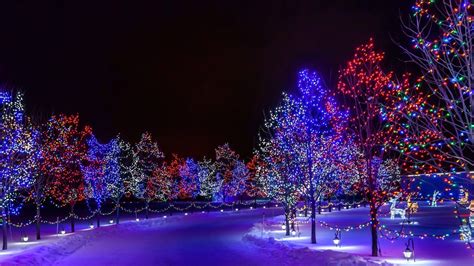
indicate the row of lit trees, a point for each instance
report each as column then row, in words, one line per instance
column 313, row 147
column 64, row 162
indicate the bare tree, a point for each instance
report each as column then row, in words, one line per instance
column 441, row 34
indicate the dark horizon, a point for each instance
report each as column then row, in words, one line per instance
column 196, row 75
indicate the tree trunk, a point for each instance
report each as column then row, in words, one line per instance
column 313, row 221
column 329, row 205
column 293, row 218
column 374, row 229
column 146, row 210
column 306, row 208
column 72, row 219
column 287, row 221
column 4, row 226
column 38, row 222
column 98, row 218
column 117, row 218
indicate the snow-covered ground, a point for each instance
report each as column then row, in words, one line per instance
column 428, row 251
column 214, row 238
column 234, row 238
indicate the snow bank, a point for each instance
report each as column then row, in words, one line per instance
column 293, row 255
column 51, row 251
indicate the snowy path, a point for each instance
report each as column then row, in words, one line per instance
column 197, row 239
column 214, row 238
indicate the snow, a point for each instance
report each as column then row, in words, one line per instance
column 235, row 238
column 428, row 251
column 195, row 239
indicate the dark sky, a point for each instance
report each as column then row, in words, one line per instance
column 194, row 73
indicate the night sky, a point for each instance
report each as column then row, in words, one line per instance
column 195, row 74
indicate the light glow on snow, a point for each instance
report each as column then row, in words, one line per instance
column 293, row 238
column 411, row 262
column 340, row 248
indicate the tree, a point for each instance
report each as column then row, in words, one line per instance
column 93, row 167
column 189, row 185
column 178, row 189
column 253, row 185
column 149, row 157
column 226, row 159
column 278, row 174
column 372, row 98
column 442, row 44
column 101, row 173
column 302, row 126
column 128, row 162
column 112, row 174
column 41, row 179
column 17, row 156
column 239, row 177
column 64, row 150
column 162, row 183
column 207, row 176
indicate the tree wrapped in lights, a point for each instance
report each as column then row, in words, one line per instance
column 149, row 157
column 189, row 184
column 17, row 156
column 226, row 159
column 93, row 171
column 207, row 178
column 239, row 177
column 303, row 128
column 162, row 183
column 41, row 180
column 253, row 184
column 178, row 189
column 376, row 105
column 112, row 174
column 442, row 47
column 64, row 150
column 128, row 162
column 277, row 171
column 101, row 173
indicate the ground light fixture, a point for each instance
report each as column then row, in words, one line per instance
column 137, row 219
column 111, row 221
column 91, row 226
column 62, row 232
column 24, row 238
column 337, row 238
column 293, row 232
column 283, row 226
column 409, row 253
